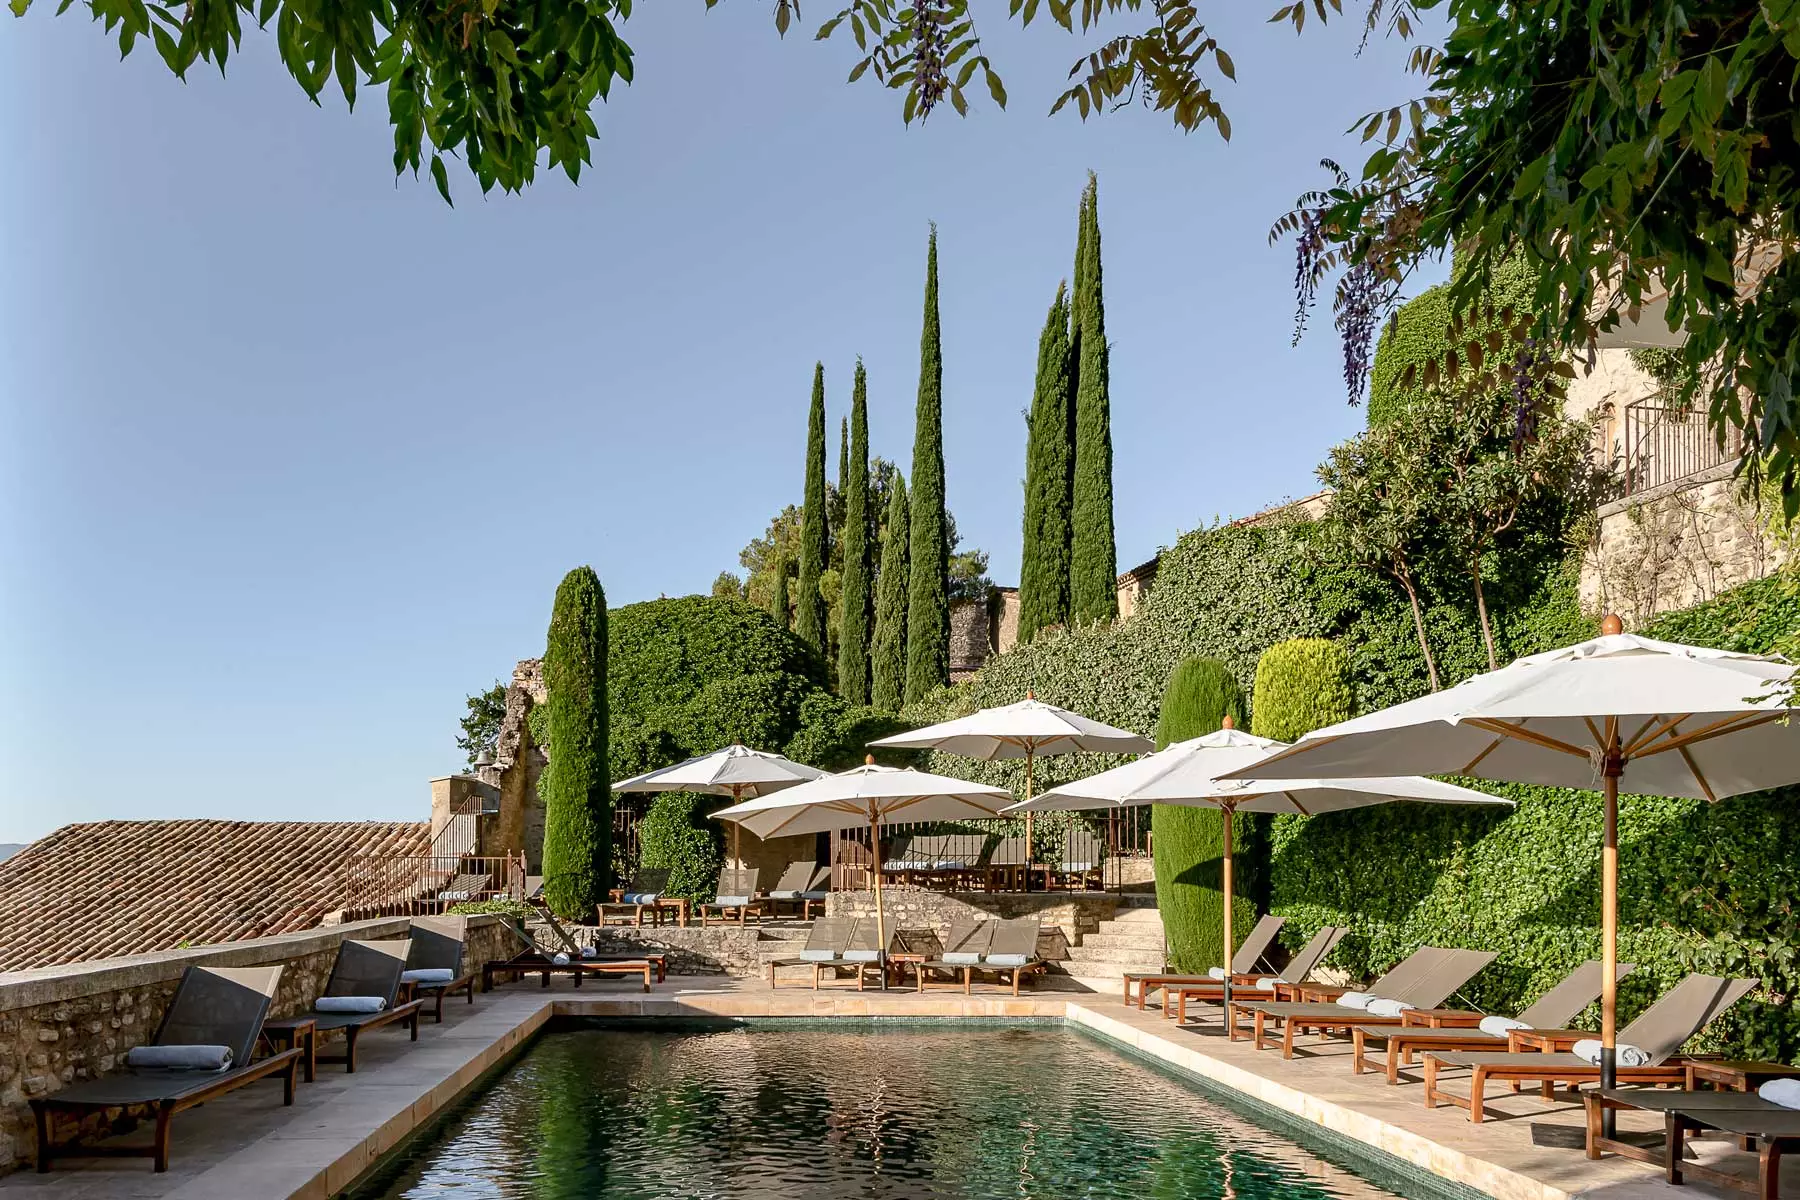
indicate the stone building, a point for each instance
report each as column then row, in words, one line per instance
column 980, row 629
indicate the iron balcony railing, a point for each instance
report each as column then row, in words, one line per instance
column 1667, row 442
column 383, row 885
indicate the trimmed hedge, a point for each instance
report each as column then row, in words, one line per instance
column 577, row 800
column 1302, row 684
column 1190, row 842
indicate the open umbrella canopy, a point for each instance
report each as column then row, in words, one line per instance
column 1185, row 773
column 1026, row 729
column 735, row 771
column 1681, row 721
column 862, row 796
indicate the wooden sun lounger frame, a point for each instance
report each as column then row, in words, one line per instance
column 1326, row 1023
column 1407, row 1042
column 1736, row 1113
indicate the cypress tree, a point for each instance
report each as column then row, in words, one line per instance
column 778, row 596
column 1049, row 481
column 887, row 667
column 809, row 620
column 853, row 619
column 928, row 597
column 575, row 786
column 1094, row 572
column 1190, row 842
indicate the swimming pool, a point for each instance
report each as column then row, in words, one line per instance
column 779, row 1110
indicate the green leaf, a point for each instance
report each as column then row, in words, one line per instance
column 995, row 88
column 1226, row 67
column 1532, row 177
column 439, row 177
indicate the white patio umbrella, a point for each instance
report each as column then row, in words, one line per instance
column 1024, row 730
column 1186, row 773
column 869, row 795
column 736, row 771
column 1657, row 718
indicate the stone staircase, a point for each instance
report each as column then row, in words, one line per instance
column 1132, row 941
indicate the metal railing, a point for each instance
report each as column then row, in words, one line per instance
column 974, row 860
column 382, row 885
column 1666, row 443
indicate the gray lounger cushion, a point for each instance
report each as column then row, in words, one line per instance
column 349, row 1004
column 179, row 1058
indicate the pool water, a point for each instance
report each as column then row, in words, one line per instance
column 990, row 1111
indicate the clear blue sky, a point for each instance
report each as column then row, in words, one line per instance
column 294, row 456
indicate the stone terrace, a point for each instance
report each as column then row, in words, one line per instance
column 248, row 1144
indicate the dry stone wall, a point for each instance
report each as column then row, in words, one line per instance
column 1065, row 916
column 61, row 1025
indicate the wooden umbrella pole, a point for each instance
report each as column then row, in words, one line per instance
column 1029, row 748
column 880, row 917
column 1612, row 768
column 737, row 834
column 1226, row 811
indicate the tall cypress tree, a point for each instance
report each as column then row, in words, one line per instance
column 809, row 620
column 928, row 597
column 1190, row 842
column 1094, row 572
column 887, row 668
column 778, row 596
column 1049, row 482
column 853, row 616
column 575, row 786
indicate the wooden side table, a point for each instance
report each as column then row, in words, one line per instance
column 1439, row 1018
column 1546, row 1041
column 1732, row 1075
column 302, row 1032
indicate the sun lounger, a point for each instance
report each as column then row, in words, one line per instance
column 861, row 951
column 825, row 942
column 464, row 888
column 735, row 893
column 1425, row 980
column 644, row 894
column 1702, row 1105
column 1251, row 987
column 434, row 965
column 366, row 969
column 1743, row 1115
column 1011, row 954
column 213, row 1007
column 968, row 940
column 1660, row 1032
column 1009, row 861
column 572, row 959
column 1252, row 952
column 802, row 885
column 1548, row 1016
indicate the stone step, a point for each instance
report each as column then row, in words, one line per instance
column 1150, row 940
column 1136, row 916
column 1097, row 954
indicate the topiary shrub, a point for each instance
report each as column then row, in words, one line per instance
column 575, row 784
column 1302, row 684
column 677, row 835
column 1189, row 842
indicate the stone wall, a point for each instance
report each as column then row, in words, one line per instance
column 518, row 761
column 59, row 1025
column 1676, row 546
column 713, row 950
column 1066, row 916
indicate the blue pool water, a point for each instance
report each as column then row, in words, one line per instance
column 985, row 1112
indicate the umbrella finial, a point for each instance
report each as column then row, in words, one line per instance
column 868, row 760
column 1031, row 693
column 1227, row 722
column 1611, row 626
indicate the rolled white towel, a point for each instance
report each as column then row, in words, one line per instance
column 1388, row 1008
column 428, row 975
column 560, row 959
column 1501, row 1026
column 1785, row 1092
column 1356, row 1000
column 1215, row 973
column 349, row 1004
column 589, row 952
column 1627, row 1055
column 180, row 1058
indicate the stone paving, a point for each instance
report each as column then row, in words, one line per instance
column 249, row 1145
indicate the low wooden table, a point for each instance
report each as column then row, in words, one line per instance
column 898, row 961
column 301, row 1032
column 1735, row 1076
column 1439, row 1018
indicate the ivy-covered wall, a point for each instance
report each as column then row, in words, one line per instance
column 1703, row 887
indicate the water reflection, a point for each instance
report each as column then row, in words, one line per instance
column 976, row 1113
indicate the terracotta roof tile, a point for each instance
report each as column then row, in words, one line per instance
column 109, row 888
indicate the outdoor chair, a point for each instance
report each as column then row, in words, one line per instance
column 571, row 959
column 1423, row 981
column 1746, row 1116
column 644, row 893
column 825, row 942
column 861, row 952
column 803, row 885
column 968, row 940
column 922, row 862
column 1659, row 1032
column 959, row 866
column 1546, row 1018
column 1249, row 954
column 366, row 971
column 1008, row 864
column 217, row 1012
column 463, row 888
column 735, row 893
column 1011, row 953
column 434, row 965
column 1253, row 987
column 895, row 860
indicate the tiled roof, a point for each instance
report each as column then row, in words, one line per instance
column 111, row 888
